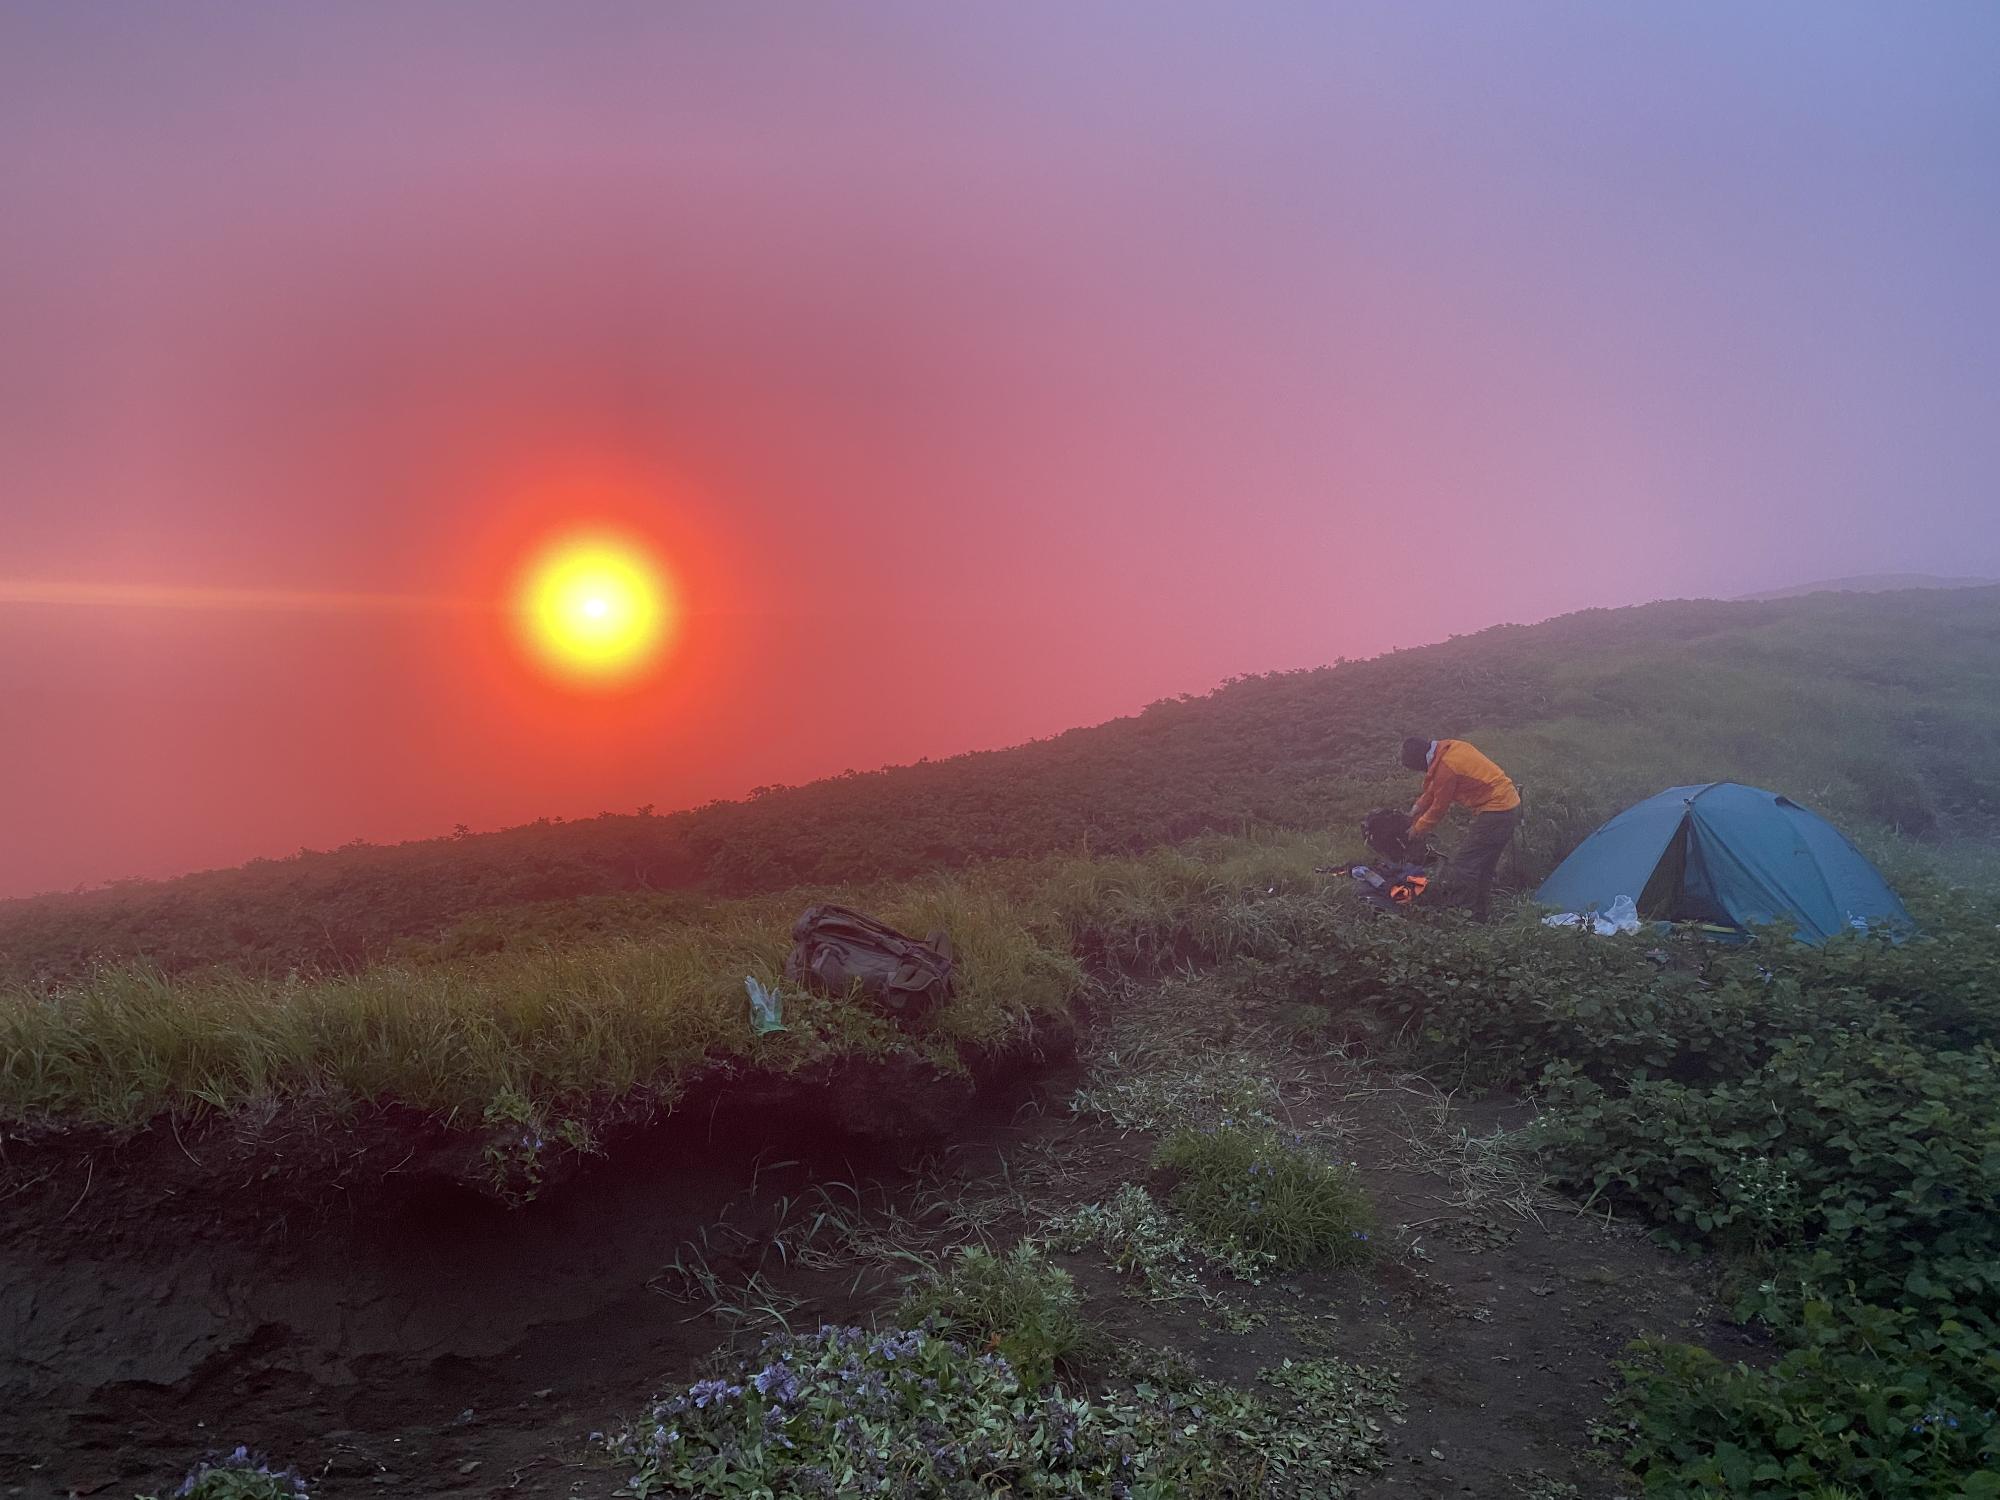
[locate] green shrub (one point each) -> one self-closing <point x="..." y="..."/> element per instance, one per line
<point x="1881" y="1158"/>
<point x="1824" y="1115"/>
<point x="1256" y="1198"/>
<point x="1873" y="1402"/>
<point x="1850" y="1160"/>
<point x="1494" y="1005"/>
<point x="1943" y="987"/>
<point x="1016" y="1305"/>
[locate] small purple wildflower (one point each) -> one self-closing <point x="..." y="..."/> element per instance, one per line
<point x="777" y="1382"/>
<point x="898" y="1346"/>
<point x="705" y="1392"/>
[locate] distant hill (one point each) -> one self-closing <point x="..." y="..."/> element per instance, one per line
<point x="1874" y="583"/>
<point x="1880" y="709"/>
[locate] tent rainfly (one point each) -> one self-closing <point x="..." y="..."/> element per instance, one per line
<point x="1729" y="855"/>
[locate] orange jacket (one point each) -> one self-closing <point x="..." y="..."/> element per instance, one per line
<point x="1460" y="774"/>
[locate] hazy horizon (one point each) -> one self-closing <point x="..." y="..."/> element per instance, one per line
<point x="976" y="374"/>
<point x="921" y="755"/>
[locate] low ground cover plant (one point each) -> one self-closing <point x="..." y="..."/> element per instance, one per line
<point x="1207" y="1085"/>
<point x="1138" y="1238"/>
<point x="240" y="1475"/>
<point x="1871" y="1402"/>
<point x="1853" y="1177"/>
<point x="1876" y="1160"/>
<point x="1495" y="1005"/>
<point x="906" y="1411"/>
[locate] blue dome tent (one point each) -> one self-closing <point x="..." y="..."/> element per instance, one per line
<point x="1730" y="855"/>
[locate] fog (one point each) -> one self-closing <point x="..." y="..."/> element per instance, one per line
<point x="977" y="372"/>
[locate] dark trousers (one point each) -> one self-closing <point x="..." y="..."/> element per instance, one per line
<point x="1469" y="874"/>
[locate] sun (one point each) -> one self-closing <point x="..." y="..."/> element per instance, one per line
<point x="596" y="607"/>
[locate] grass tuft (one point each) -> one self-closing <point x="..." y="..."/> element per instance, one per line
<point x="1014" y="1304"/>
<point x="1257" y="1198"/>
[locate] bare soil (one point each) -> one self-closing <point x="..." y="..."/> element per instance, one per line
<point x="443" y="1345"/>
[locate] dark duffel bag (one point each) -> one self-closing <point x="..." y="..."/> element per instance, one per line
<point x="1387" y="832"/>
<point x="835" y="950"/>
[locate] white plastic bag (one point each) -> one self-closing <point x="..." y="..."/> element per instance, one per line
<point x="767" y="1007"/>
<point x="1623" y="917"/>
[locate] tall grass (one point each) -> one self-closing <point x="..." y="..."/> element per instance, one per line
<point x="589" y="1019"/>
<point x="560" y="1007"/>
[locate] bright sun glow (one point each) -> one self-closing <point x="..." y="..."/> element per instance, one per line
<point x="596" y="608"/>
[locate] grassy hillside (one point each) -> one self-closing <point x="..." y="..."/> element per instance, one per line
<point x="531" y="982"/>
<point x="492" y="1012"/>
<point x="1880" y="710"/>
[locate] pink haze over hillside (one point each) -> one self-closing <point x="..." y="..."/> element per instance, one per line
<point x="975" y="372"/>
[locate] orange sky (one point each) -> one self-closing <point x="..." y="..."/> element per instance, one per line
<point x="978" y="373"/>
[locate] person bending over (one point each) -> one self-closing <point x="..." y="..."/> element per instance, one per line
<point x="1457" y="775"/>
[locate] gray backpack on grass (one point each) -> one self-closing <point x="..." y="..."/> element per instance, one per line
<point x="835" y="949"/>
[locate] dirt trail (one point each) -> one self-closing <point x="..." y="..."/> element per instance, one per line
<point x="461" y="1349"/>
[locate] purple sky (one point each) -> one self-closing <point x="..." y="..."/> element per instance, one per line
<point x="1050" y="358"/>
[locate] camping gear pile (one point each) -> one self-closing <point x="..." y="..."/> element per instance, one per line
<point x="1727" y="857"/>
<point x="1621" y="919"/>
<point x="839" y="952"/>
<point x="1398" y="879"/>
<point x="1392" y="889"/>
